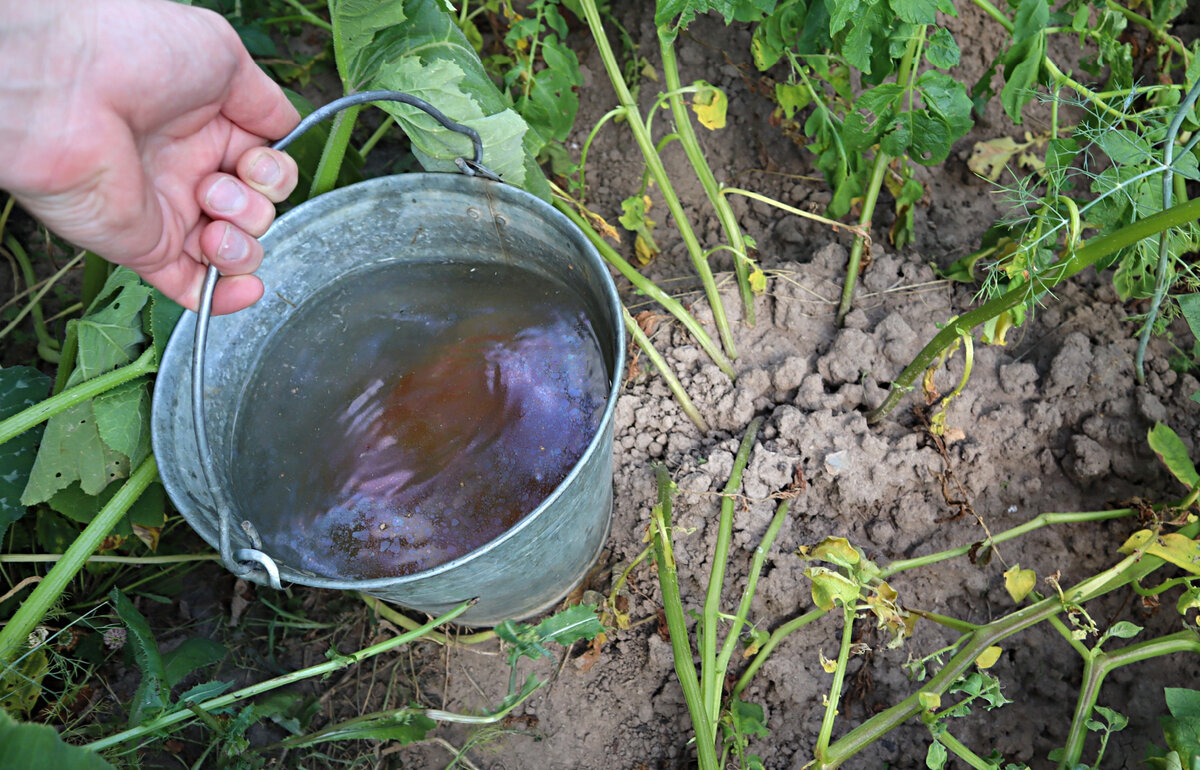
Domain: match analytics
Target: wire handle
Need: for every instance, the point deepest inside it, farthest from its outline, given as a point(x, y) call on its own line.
point(245, 560)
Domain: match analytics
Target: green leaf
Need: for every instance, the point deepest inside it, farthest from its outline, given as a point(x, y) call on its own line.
point(1171, 450)
point(357, 22)
point(748, 718)
point(916, 11)
point(72, 450)
point(20, 387)
point(949, 99)
point(430, 57)
point(836, 550)
point(123, 420)
point(152, 694)
point(931, 138)
point(576, 622)
point(34, 745)
point(21, 682)
point(205, 691)
point(1182, 702)
point(935, 758)
point(164, 313)
point(843, 13)
point(110, 335)
point(943, 51)
point(1116, 720)
point(1124, 147)
point(195, 653)
point(1023, 62)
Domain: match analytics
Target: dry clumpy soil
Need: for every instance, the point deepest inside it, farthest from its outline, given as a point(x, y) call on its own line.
point(1051, 422)
point(1054, 421)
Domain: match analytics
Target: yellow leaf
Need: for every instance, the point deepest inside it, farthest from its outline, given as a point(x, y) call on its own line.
point(989, 158)
point(829, 665)
point(1019, 582)
point(930, 701)
point(758, 281)
point(148, 535)
point(988, 657)
point(838, 551)
point(710, 105)
point(1177, 549)
point(644, 249)
point(1136, 541)
point(830, 588)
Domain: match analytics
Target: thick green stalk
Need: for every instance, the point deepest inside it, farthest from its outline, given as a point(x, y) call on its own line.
point(38, 413)
point(743, 610)
point(691, 147)
point(655, 165)
point(1086, 256)
point(681, 647)
point(321, 669)
point(96, 270)
point(386, 612)
point(334, 152)
point(1098, 665)
point(711, 620)
point(15, 632)
point(835, 688)
point(647, 287)
point(673, 383)
point(964, 753)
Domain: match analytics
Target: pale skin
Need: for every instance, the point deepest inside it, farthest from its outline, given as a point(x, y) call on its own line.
point(136, 129)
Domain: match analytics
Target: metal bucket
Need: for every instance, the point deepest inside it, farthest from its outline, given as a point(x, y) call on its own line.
point(391, 221)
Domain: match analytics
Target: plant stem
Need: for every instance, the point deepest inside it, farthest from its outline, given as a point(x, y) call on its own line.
point(681, 648)
point(137, 561)
point(691, 147)
point(369, 145)
point(835, 688)
point(710, 622)
point(339, 662)
point(836, 225)
point(96, 270)
point(1098, 665)
point(654, 163)
point(660, 363)
point(777, 636)
point(34, 304)
point(1155, 32)
point(16, 631)
point(1133, 567)
point(1160, 275)
point(962, 752)
point(388, 613)
point(42, 411)
point(334, 152)
point(1086, 256)
point(743, 610)
point(907, 70)
point(647, 287)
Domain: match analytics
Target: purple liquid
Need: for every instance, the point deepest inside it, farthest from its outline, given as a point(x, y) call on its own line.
point(411, 415)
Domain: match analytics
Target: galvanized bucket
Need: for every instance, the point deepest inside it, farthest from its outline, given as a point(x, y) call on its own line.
point(388, 221)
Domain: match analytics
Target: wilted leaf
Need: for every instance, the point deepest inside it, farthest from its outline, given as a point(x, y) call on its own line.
point(1019, 582)
point(710, 105)
point(830, 588)
point(836, 550)
point(1177, 549)
point(21, 683)
point(828, 664)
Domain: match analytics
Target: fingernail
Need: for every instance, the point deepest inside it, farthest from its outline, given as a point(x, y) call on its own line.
point(226, 197)
point(265, 170)
point(233, 246)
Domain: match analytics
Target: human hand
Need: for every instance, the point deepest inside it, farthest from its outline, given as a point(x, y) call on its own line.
point(134, 128)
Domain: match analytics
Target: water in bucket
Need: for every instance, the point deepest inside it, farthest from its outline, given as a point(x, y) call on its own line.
point(410, 414)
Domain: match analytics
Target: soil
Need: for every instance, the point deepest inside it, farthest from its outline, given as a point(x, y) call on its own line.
point(1053, 421)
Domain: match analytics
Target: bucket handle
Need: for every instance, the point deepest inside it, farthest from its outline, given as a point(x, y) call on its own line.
point(245, 560)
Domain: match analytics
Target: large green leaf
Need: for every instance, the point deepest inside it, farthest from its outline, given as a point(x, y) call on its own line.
point(430, 57)
point(110, 335)
point(195, 653)
point(123, 420)
point(677, 14)
point(72, 450)
point(29, 745)
point(20, 387)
